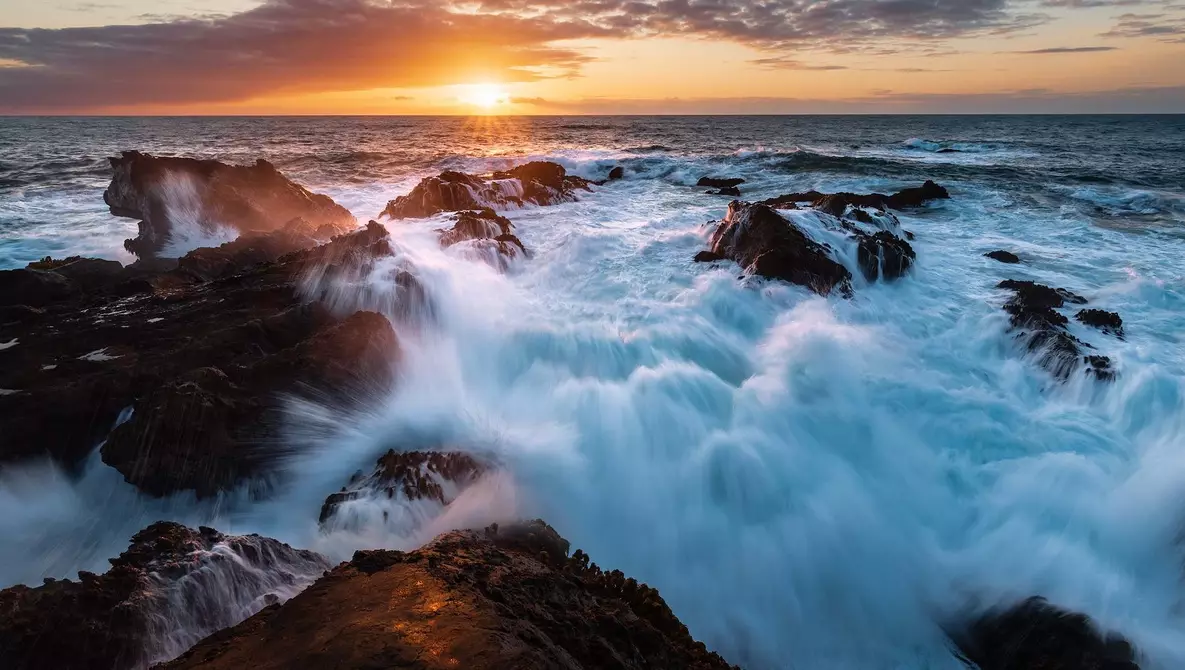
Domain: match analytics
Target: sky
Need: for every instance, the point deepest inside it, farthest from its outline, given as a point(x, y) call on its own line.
point(591, 56)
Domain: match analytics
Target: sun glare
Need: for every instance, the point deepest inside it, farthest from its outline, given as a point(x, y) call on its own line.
point(484, 96)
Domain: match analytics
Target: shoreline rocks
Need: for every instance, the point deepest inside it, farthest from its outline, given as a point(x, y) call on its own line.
point(1003, 256)
point(538, 183)
point(168, 194)
point(506, 597)
point(1034, 316)
point(905, 199)
point(720, 182)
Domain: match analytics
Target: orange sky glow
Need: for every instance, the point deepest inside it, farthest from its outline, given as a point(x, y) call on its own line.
point(592, 57)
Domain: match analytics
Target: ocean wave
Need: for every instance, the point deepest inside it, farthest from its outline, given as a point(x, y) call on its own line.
point(940, 147)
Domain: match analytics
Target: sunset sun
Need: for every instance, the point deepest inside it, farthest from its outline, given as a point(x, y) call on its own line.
point(484, 96)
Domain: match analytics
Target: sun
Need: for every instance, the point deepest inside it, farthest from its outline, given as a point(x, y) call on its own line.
point(484, 96)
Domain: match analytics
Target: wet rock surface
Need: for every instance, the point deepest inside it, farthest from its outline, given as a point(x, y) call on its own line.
point(201, 354)
point(167, 194)
point(1003, 256)
point(883, 255)
point(767, 244)
point(503, 598)
point(1034, 316)
point(414, 475)
point(125, 617)
point(1035, 635)
point(720, 182)
point(538, 183)
point(904, 199)
point(1108, 322)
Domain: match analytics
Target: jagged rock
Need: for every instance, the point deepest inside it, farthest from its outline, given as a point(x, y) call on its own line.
point(1033, 313)
point(836, 203)
point(883, 254)
point(765, 243)
point(506, 598)
point(34, 288)
point(617, 173)
point(210, 263)
point(1003, 256)
point(731, 191)
point(183, 348)
point(1035, 635)
point(165, 193)
point(539, 183)
point(1108, 322)
point(159, 597)
point(720, 182)
point(484, 224)
point(413, 475)
point(708, 257)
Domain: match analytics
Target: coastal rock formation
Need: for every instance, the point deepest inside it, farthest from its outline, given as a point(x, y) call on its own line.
point(507, 598)
point(837, 203)
point(199, 356)
point(730, 191)
point(538, 183)
point(883, 255)
point(172, 196)
point(617, 173)
point(1035, 634)
point(720, 182)
point(1108, 322)
point(767, 244)
point(1003, 256)
point(1033, 311)
point(486, 236)
point(172, 587)
point(404, 476)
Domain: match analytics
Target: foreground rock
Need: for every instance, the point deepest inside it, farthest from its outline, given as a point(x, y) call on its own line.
point(172, 587)
point(485, 236)
point(1034, 316)
point(1036, 635)
point(905, 199)
point(507, 598)
point(400, 478)
point(537, 183)
point(200, 355)
point(183, 196)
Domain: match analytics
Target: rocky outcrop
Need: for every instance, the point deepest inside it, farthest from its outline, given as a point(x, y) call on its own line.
point(172, 587)
point(201, 354)
point(730, 191)
point(1034, 316)
point(485, 236)
point(1003, 256)
point(508, 598)
point(169, 194)
point(538, 183)
point(1108, 322)
point(720, 182)
point(837, 203)
point(883, 255)
point(767, 244)
point(404, 476)
point(617, 173)
point(1036, 635)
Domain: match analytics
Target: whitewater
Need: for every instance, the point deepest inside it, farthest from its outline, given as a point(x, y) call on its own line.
point(810, 482)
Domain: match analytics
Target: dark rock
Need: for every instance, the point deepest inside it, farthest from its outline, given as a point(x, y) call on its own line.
point(884, 255)
point(720, 182)
point(503, 598)
point(1038, 636)
point(539, 183)
point(252, 200)
point(482, 224)
point(731, 191)
point(1100, 368)
point(1003, 256)
point(412, 475)
point(617, 173)
point(209, 263)
point(224, 351)
point(34, 288)
point(708, 257)
point(765, 243)
point(1108, 322)
point(1033, 314)
point(158, 598)
point(835, 204)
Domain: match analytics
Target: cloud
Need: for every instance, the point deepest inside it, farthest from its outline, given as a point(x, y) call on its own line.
point(1163, 27)
point(1067, 50)
point(1031, 101)
point(282, 47)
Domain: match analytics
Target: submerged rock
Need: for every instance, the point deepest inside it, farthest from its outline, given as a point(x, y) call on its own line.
point(507, 597)
point(1003, 256)
point(1033, 314)
point(837, 203)
point(202, 365)
point(767, 244)
point(720, 182)
point(731, 191)
point(407, 476)
point(171, 588)
point(174, 196)
point(1036, 635)
point(539, 183)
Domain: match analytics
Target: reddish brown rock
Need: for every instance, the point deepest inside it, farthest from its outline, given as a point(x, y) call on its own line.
point(158, 597)
point(507, 598)
point(537, 183)
point(412, 475)
point(248, 199)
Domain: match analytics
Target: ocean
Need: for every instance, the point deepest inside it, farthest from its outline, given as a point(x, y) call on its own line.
point(810, 482)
